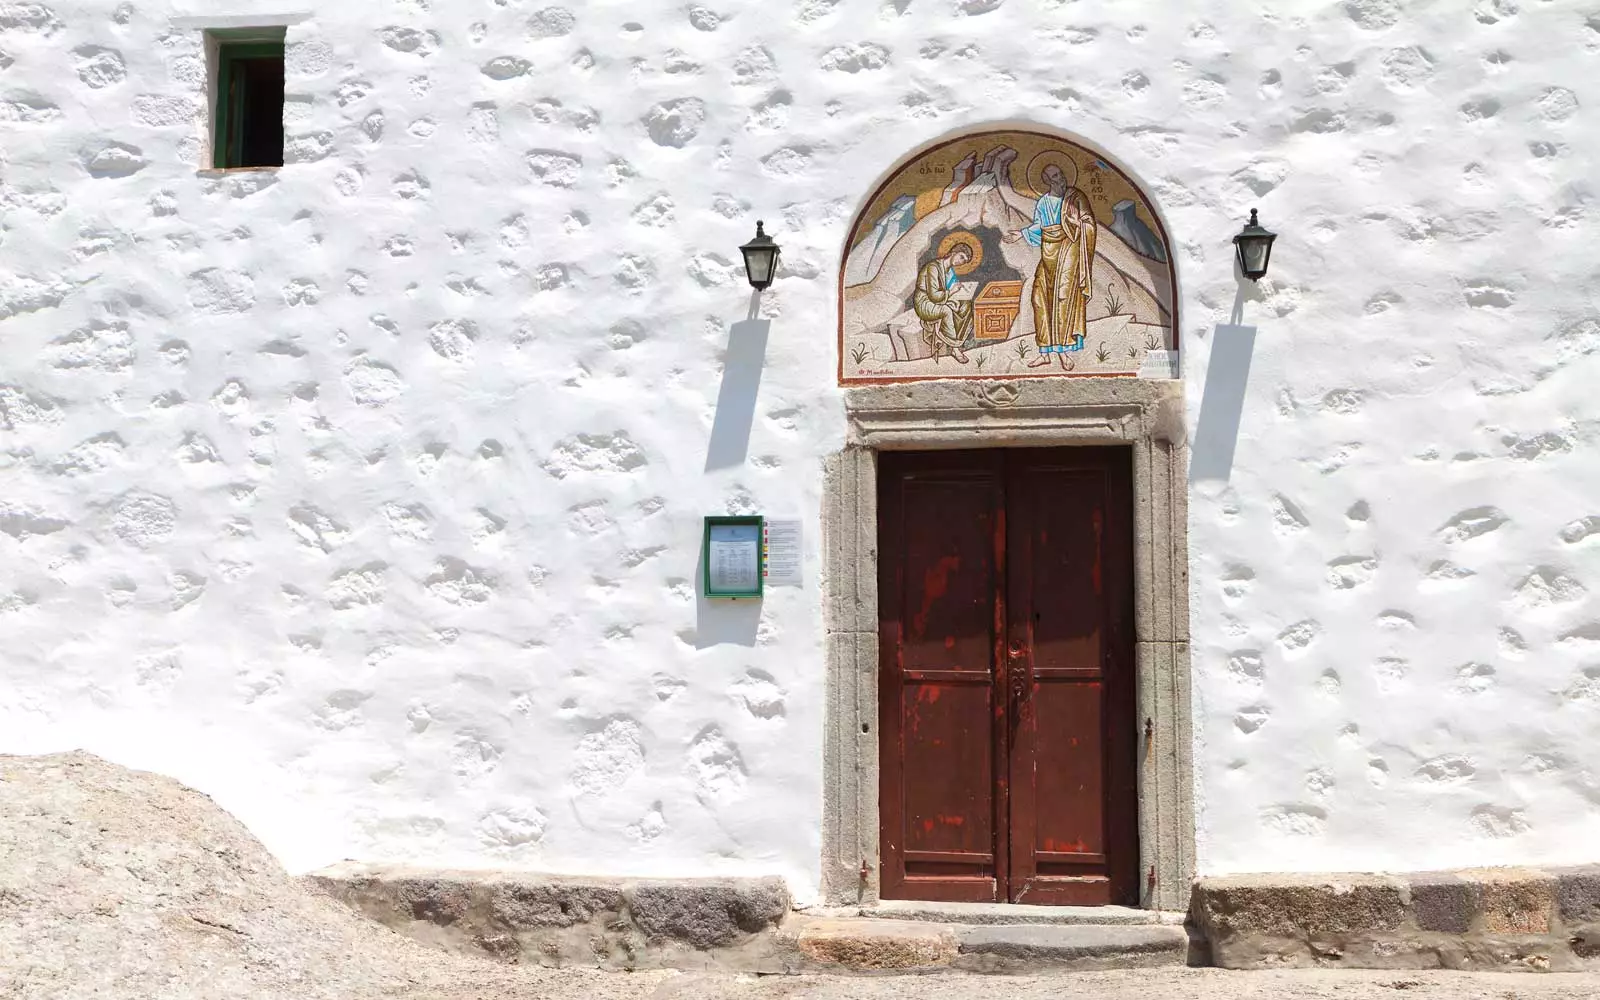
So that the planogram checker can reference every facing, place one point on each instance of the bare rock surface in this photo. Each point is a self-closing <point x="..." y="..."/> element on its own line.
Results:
<point x="121" y="883"/>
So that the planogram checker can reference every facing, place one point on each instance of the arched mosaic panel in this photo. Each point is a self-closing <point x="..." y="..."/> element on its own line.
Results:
<point x="1002" y="255"/>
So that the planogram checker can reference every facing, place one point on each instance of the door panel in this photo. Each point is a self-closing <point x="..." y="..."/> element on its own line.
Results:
<point x="946" y="618"/>
<point x="1006" y="702"/>
<point x="939" y="570"/>
<point x="948" y="791"/>
<point x="1070" y="598"/>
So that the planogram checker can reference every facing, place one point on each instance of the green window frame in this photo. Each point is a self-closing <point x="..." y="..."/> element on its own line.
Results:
<point x="228" y="143"/>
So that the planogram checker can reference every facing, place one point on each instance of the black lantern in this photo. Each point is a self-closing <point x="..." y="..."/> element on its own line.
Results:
<point x="760" y="258"/>
<point x="1255" y="248"/>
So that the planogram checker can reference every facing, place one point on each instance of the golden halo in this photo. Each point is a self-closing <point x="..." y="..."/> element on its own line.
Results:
<point x="968" y="240"/>
<point x="1035" y="175"/>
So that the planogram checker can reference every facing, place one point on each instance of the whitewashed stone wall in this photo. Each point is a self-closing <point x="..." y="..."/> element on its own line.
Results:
<point x="365" y="495"/>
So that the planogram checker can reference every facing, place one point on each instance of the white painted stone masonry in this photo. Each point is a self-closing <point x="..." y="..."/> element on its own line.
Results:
<point x="365" y="495"/>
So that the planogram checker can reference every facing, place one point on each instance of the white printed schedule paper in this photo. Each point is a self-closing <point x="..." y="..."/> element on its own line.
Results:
<point x="783" y="553"/>
<point x="734" y="554"/>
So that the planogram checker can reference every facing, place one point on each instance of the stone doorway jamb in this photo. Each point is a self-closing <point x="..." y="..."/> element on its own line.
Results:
<point x="1144" y="414"/>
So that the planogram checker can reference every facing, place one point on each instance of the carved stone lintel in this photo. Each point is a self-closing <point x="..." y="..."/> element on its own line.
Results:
<point x="996" y="394"/>
<point x="958" y="413"/>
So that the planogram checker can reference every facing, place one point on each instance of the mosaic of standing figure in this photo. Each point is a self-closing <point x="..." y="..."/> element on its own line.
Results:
<point x="1005" y="254"/>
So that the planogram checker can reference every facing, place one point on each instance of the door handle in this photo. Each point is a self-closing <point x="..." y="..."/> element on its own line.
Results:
<point x="1021" y="689"/>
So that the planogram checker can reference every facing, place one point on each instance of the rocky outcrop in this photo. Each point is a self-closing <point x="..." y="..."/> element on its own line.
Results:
<point x="122" y="883"/>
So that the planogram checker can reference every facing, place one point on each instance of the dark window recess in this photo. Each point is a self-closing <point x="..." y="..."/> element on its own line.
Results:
<point x="250" y="105"/>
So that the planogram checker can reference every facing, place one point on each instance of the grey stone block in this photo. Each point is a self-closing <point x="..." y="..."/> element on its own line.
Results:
<point x="1578" y="893"/>
<point x="1513" y="900"/>
<point x="1294" y="906"/>
<point x="528" y="904"/>
<point x="1262" y="921"/>
<point x="436" y="901"/>
<point x="1044" y="943"/>
<point x="1443" y="902"/>
<point x="707" y="913"/>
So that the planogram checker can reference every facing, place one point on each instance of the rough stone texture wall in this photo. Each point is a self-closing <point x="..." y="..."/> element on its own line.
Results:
<point x="366" y="494"/>
<point x="533" y="919"/>
<point x="1483" y="919"/>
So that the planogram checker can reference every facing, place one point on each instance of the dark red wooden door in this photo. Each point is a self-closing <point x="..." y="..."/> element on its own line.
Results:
<point x="1006" y="719"/>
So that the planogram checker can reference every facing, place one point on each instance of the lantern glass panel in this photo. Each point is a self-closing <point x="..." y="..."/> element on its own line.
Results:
<point x="1254" y="254"/>
<point x="758" y="263"/>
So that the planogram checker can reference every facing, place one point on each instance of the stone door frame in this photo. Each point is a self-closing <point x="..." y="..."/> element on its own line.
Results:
<point x="1143" y="414"/>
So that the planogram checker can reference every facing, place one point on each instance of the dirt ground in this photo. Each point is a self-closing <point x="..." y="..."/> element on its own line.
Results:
<point x="120" y="884"/>
<point x="1167" y="984"/>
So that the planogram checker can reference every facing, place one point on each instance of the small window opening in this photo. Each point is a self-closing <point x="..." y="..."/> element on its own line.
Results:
<point x="249" y="103"/>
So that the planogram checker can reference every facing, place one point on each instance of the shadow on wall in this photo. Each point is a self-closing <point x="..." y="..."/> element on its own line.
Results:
<point x="736" y="400"/>
<point x="722" y="620"/>
<point x="1216" y="431"/>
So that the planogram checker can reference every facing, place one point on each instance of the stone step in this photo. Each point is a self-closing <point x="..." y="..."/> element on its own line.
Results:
<point x="879" y="944"/>
<point x="854" y="944"/>
<point x="1040" y="947"/>
<point x="1013" y="913"/>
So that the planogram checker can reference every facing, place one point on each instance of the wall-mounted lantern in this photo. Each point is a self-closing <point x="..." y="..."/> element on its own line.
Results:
<point x="760" y="258"/>
<point x="1255" y="248"/>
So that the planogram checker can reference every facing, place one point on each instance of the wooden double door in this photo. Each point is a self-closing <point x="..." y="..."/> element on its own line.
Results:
<point x="1007" y="730"/>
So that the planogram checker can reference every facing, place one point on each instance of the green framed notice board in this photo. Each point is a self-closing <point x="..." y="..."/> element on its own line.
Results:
<point x="731" y="553"/>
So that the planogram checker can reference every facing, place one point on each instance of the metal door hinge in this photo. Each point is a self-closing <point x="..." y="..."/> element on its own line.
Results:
<point x="866" y="869"/>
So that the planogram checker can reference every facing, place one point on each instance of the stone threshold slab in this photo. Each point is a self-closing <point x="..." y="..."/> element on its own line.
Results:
<point x="1012" y="913"/>
<point x="1027" y="948"/>
<point x="880" y="944"/>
